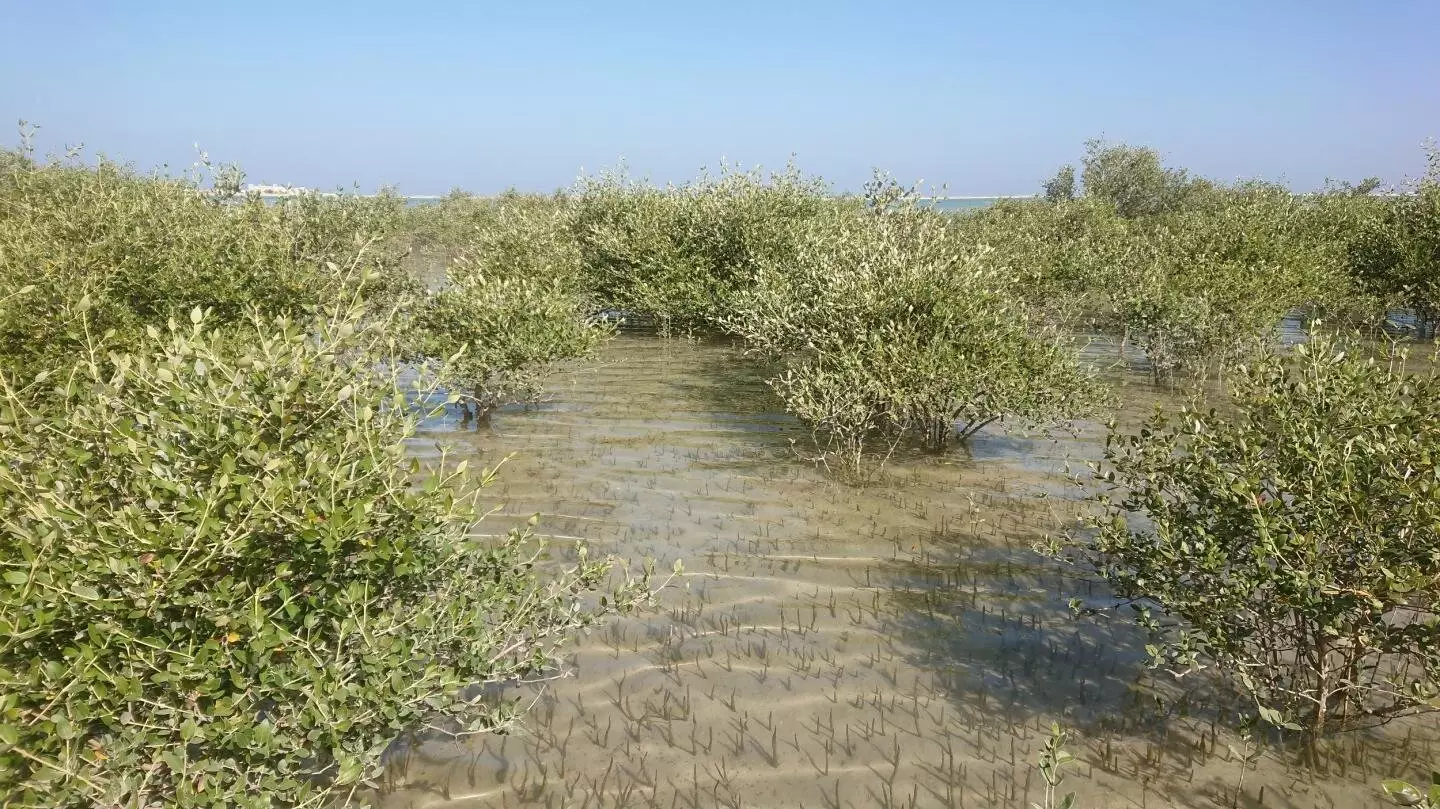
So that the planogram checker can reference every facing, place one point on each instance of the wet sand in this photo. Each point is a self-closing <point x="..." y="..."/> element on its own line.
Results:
<point x="892" y="645"/>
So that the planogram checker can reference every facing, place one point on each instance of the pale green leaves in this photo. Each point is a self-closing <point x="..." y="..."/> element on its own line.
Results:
<point x="1277" y="719"/>
<point x="891" y="330"/>
<point x="1053" y="759"/>
<point x="1404" y="793"/>
<point x="494" y="339"/>
<point x="102" y="250"/>
<point x="220" y="538"/>
<point x="1296" y="523"/>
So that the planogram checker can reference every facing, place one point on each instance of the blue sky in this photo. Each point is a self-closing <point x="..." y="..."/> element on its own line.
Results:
<point x="984" y="98"/>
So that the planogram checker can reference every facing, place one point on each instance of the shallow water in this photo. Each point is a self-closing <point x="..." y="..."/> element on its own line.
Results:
<point x="893" y="645"/>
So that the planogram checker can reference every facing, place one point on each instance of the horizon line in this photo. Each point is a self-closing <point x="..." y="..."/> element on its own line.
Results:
<point x="265" y="190"/>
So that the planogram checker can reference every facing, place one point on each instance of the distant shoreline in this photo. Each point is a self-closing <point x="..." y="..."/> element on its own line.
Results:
<point x="269" y="192"/>
<point x="984" y="196"/>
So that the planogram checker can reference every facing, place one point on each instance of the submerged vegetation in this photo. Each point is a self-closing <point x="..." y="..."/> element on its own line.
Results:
<point x="224" y="583"/>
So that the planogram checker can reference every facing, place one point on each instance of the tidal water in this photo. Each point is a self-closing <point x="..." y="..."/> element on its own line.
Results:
<point x="897" y="644"/>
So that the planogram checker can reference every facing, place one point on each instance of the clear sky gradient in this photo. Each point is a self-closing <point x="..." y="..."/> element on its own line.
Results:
<point x="985" y="98"/>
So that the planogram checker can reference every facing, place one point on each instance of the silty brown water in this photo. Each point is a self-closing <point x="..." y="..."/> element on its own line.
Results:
<point x="892" y="645"/>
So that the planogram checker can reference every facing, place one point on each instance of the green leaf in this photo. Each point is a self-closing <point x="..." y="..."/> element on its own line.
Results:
<point x="1272" y="716"/>
<point x="16" y="577"/>
<point x="1402" y="793"/>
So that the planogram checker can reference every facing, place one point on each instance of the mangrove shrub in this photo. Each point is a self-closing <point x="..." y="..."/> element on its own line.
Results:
<point x="889" y="329"/>
<point x="492" y="340"/>
<point x="223" y="584"/>
<point x="677" y="256"/>
<point x="1294" y="545"/>
<point x="1395" y="254"/>
<point x="145" y="248"/>
<point x="511" y="307"/>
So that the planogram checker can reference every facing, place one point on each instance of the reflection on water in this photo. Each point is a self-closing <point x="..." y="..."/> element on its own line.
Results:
<point x="897" y="645"/>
